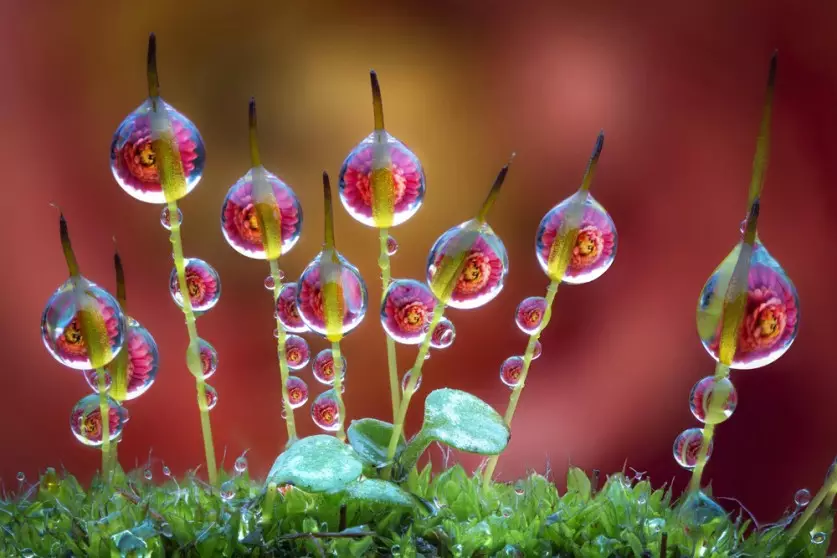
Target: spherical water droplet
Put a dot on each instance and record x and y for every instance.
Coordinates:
(27, 553)
(443, 335)
(818, 537)
(137, 368)
(209, 359)
(594, 248)
(406, 380)
(655, 525)
(771, 319)
(699, 510)
(166, 530)
(134, 162)
(530, 313)
(92, 378)
(166, 221)
(331, 296)
(427, 355)
(510, 371)
(713, 400)
(406, 311)
(269, 283)
(802, 497)
(77, 305)
(297, 352)
(21, 477)
(323, 367)
(240, 465)
(257, 196)
(166, 471)
(148, 474)
(392, 246)
(211, 397)
(286, 310)
(538, 350)
(381, 181)
(297, 392)
(473, 247)
(325, 411)
(687, 446)
(203, 283)
(507, 511)
(228, 490)
(86, 420)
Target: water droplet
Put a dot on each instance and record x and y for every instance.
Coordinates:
(325, 411)
(92, 378)
(530, 313)
(166, 471)
(148, 474)
(297, 352)
(479, 253)
(269, 283)
(323, 367)
(395, 549)
(519, 490)
(802, 497)
(76, 306)
(209, 359)
(427, 355)
(331, 297)
(166, 530)
(687, 446)
(655, 525)
(286, 310)
(381, 181)
(203, 283)
(136, 370)
(510, 371)
(699, 510)
(228, 490)
(297, 392)
(406, 311)
(713, 400)
(444, 334)
(27, 553)
(261, 200)
(818, 537)
(86, 420)
(211, 397)
(392, 246)
(595, 244)
(507, 511)
(134, 162)
(771, 319)
(406, 380)
(165, 218)
(538, 350)
(240, 465)
(21, 477)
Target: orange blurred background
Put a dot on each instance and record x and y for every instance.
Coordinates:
(678, 90)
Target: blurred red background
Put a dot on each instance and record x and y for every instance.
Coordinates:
(678, 90)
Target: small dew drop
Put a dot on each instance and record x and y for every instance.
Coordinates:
(165, 218)
(427, 355)
(148, 474)
(166, 471)
(507, 512)
(21, 477)
(275, 333)
(269, 283)
(166, 530)
(802, 497)
(519, 491)
(227, 491)
(818, 537)
(537, 351)
(240, 465)
(392, 245)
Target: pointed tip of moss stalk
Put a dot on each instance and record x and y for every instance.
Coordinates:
(377, 101)
(752, 222)
(328, 212)
(594, 161)
(66, 245)
(255, 157)
(771, 79)
(121, 295)
(153, 79)
(495, 191)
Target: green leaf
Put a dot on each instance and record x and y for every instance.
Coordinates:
(464, 422)
(370, 439)
(578, 482)
(379, 491)
(318, 463)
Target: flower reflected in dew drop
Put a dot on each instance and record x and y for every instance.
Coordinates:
(310, 298)
(325, 412)
(392, 246)
(443, 335)
(86, 420)
(530, 313)
(510, 371)
(141, 367)
(208, 357)
(287, 311)
(406, 380)
(406, 311)
(211, 397)
(687, 447)
(713, 400)
(202, 282)
(297, 352)
(297, 392)
(537, 351)
(323, 367)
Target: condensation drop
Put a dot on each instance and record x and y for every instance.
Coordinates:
(297, 352)
(202, 282)
(323, 367)
(687, 446)
(510, 371)
(86, 420)
(325, 411)
(802, 497)
(530, 313)
(406, 380)
(392, 245)
(406, 311)
(166, 221)
(287, 312)
(297, 392)
(444, 334)
(713, 400)
(331, 296)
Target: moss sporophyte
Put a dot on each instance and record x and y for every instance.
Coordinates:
(356, 490)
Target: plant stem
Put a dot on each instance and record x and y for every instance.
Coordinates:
(280, 351)
(104, 413)
(193, 361)
(383, 263)
(829, 488)
(415, 375)
(337, 359)
(551, 291)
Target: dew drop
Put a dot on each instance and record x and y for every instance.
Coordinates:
(269, 283)
(530, 313)
(538, 350)
(341, 311)
(392, 245)
(325, 411)
(802, 497)
(287, 312)
(166, 471)
(444, 334)
(227, 490)
(687, 446)
(510, 371)
(211, 397)
(148, 474)
(713, 400)
(406, 311)
(297, 392)
(818, 537)
(297, 352)
(240, 465)
(406, 380)
(323, 367)
(427, 355)
(209, 359)
(86, 420)
(165, 218)
(21, 477)
(203, 283)
(142, 365)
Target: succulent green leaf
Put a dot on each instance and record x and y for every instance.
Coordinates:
(464, 422)
(318, 463)
(379, 491)
(578, 482)
(370, 439)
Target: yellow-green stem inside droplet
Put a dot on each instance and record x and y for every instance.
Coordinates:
(118, 370)
(392, 365)
(269, 219)
(382, 183)
(166, 153)
(337, 359)
(104, 413)
(281, 337)
(331, 276)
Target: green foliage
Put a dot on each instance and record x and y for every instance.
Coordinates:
(370, 437)
(318, 463)
(443, 515)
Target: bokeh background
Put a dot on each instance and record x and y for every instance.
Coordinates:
(678, 89)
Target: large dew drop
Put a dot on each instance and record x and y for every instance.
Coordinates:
(297, 392)
(86, 420)
(406, 311)
(771, 315)
(687, 446)
(325, 411)
(323, 367)
(261, 201)
(467, 265)
(530, 313)
(443, 335)
(713, 400)
(203, 283)
(80, 308)
(297, 352)
(595, 245)
(134, 157)
(141, 361)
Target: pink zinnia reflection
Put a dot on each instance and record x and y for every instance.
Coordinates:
(136, 163)
(407, 310)
(241, 223)
(201, 284)
(287, 311)
(326, 413)
(71, 344)
(311, 297)
(89, 425)
(297, 392)
(482, 272)
(358, 185)
(594, 243)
